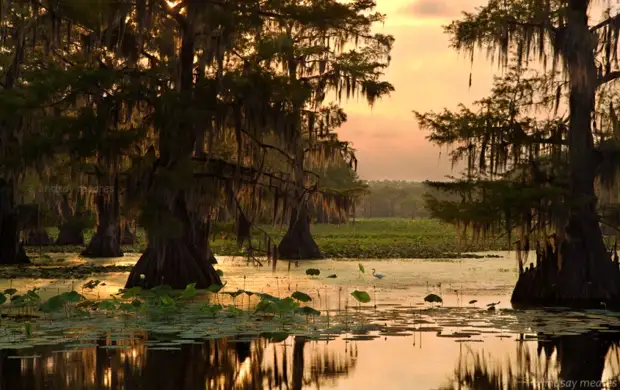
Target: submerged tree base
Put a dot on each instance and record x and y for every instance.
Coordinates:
(39, 237)
(102, 246)
(175, 263)
(70, 235)
(298, 243)
(565, 277)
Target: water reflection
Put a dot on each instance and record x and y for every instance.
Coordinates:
(214, 364)
(587, 361)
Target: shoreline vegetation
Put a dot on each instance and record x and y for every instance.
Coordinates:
(372, 238)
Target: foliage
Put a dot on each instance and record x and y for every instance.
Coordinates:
(361, 296)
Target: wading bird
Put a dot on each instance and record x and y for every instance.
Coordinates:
(377, 275)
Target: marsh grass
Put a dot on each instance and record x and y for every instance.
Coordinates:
(365, 238)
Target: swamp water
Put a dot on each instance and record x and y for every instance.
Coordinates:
(396, 341)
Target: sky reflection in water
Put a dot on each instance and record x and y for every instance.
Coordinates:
(475, 348)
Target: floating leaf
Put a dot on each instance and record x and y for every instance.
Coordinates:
(189, 292)
(361, 296)
(215, 288)
(132, 292)
(473, 301)
(106, 305)
(361, 267)
(10, 291)
(309, 311)
(313, 272)
(91, 284)
(333, 276)
(433, 298)
(302, 297)
(234, 294)
(276, 337)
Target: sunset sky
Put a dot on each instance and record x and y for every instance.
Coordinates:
(427, 75)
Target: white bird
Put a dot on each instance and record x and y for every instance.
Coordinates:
(377, 275)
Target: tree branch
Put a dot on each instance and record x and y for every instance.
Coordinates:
(612, 20)
(610, 76)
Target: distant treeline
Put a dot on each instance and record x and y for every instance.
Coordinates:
(393, 199)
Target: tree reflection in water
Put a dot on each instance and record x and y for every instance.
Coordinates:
(214, 364)
(587, 361)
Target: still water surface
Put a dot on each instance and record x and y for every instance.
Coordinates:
(457, 346)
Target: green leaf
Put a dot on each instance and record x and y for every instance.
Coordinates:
(3, 298)
(166, 300)
(10, 291)
(234, 294)
(276, 337)
(189, 292)
(161, 290)
(433, 298)
(361, 296)
(361, 267)
(313, 272)
(287, 305)
(215, 288)
(233, 311)
(72, 296)
(106, 305)
(301, 297)
(220, 272)
(53, 304)
(268, 297)
(128, 307)
(132, 292)
(267, 306)
(309, 311)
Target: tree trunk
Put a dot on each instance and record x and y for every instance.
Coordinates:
(70, 234)
(585, 274)
(38, 237)
(70, 231)
(298, 243)
(106, 242)
(11, 251)
(128, 237)
(175, 259)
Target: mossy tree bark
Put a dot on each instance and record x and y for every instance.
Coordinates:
(175, 259)
(11, 250)
(106, 242)
(71, 231)
(128, 236)
(585, 273)
(298, 242)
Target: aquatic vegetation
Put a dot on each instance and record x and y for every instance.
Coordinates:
(433, 298)
(361, 296)
(80, 271)
(380, 238)
(313, 272)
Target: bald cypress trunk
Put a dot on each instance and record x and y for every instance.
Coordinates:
(106, 242)
(11, 250)
(585, 273)
(298, 243)
(71, 231)
(175, 259)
